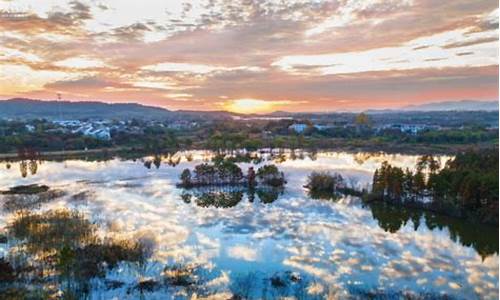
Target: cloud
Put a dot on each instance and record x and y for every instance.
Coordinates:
(293, 232)
(470, 42)
(195, 68)
(61, 22)
(433, 52)
(80, 63)
(82, 83)
(312, 53)
(128, 33)
(243, 252)
(359, 12)
(15, 79)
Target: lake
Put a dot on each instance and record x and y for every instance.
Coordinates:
(268, 244)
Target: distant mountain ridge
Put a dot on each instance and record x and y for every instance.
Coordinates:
(462, 105)
(21, 108)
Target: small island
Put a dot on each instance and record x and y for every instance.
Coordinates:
(326, 185)
(226, 172)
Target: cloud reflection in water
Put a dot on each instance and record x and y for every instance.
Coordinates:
(344, 245)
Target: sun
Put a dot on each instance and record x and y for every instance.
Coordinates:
(248, 106)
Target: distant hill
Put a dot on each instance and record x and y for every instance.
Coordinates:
(463, 105)
(202, 114)
(21, 108)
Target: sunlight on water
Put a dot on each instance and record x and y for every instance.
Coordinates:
(336, 248)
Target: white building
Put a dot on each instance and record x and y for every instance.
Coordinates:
(299, 127)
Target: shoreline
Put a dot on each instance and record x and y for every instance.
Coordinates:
(403, 149)
(64, 153)
(435, 208)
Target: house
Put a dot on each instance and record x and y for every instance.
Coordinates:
(67, 123)
(322, 127)
(102, 134)
(298, 127)
(409, 128)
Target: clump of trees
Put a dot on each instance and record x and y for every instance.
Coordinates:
(326, 185)
(223, 172)
(466, 186)
(394, 183)
(470, 181)
(270, 175)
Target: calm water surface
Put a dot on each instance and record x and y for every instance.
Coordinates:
(327, 249)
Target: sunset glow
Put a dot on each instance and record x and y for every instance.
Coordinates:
(195, 55)
(252, 106)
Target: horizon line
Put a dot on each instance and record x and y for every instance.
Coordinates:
(137, 102)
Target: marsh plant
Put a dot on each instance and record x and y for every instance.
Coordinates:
(325, 185)
(28, 197)
(60, 249)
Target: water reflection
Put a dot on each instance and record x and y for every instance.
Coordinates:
(280, 285)
(28, 197)
(234, 242)
(483, 238)
(267, 194)
(217, 199)
(60, 249)
(29, 161)
(230, 196)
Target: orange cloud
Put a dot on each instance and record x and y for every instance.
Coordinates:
(317, 55)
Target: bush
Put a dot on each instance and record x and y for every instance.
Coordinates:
(270, 175)
(324, 185)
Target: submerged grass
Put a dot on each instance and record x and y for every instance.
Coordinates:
(26, 189)
(13, 202)
(61, 250)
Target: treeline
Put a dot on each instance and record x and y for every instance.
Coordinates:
(448, 136)
(466, 185)
(231, 135)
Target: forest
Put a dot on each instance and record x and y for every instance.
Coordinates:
(466, 185)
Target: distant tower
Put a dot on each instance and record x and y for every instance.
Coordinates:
(59, 97)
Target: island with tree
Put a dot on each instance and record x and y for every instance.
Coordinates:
(467, 185)
(225, 172)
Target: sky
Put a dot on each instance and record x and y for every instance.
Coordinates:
(251, 56)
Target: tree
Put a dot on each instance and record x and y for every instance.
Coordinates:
(269, 174)
(362, 119)
(467, 184)
(251, 177)
(418, 183)
(408, 183)
(186, 177)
